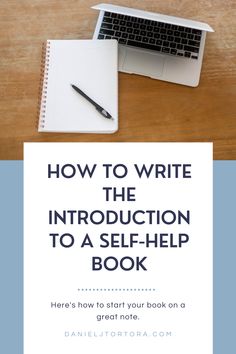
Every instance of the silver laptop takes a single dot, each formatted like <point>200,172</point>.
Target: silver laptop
<point>162,47</point>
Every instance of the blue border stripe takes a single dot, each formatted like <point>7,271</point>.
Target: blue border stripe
<point>224,256</point>
<point>11,257</point>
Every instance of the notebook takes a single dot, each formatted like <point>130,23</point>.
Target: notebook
<point>90,65</point>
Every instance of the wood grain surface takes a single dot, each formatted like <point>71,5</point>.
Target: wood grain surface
<point>149,110</point>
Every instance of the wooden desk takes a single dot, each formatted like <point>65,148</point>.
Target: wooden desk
<point>150,110</point>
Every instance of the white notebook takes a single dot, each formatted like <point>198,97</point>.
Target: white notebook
<point>92,66</point>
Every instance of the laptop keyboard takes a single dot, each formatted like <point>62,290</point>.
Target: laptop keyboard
<point>147,34</point>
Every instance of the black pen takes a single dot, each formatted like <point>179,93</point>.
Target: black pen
<point>101,110</point>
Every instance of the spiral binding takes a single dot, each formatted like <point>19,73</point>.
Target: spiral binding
<point>44,84</point>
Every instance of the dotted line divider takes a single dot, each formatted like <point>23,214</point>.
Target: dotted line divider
<point>117,289</point>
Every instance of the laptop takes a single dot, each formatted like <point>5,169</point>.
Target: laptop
<point>159,46</point>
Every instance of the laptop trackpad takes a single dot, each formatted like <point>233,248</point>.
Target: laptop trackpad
<point>143,63</point>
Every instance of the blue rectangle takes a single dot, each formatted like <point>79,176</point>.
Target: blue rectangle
<point>11,257</point>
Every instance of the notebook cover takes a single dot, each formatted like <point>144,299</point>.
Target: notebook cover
<point>91,65</point>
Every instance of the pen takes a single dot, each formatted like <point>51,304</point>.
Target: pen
<point>101,110</point>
